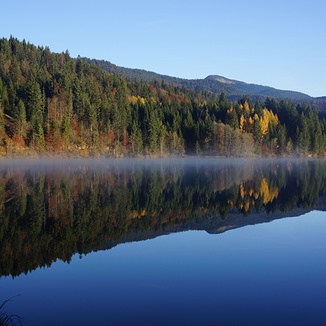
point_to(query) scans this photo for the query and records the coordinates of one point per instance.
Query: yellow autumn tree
(250, 125)
(242, 123)
(134, 99)
(267, 118)
(246, 108)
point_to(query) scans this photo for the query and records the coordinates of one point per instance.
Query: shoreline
(98, 155)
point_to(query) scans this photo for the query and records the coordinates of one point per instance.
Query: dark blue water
(270, 273)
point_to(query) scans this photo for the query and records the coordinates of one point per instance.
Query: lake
(163, 242)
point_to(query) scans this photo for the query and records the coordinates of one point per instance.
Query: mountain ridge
(255, 89)
(234, 89)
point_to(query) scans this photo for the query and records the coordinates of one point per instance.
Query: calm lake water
(164, 242)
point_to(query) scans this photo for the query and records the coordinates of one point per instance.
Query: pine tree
(154, 132)
(136, 139)
(35, 108)
(20, 119)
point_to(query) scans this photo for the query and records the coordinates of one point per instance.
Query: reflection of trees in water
(53, 213)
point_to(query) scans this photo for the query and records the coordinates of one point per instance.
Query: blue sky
(276, 43)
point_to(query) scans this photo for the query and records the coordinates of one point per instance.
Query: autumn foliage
(52, 104)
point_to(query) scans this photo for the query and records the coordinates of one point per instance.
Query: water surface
(156, 242)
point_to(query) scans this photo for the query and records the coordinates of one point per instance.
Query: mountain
(53, 104)
(265, 91)
(234, 89)
(149, 76)
(319, 103)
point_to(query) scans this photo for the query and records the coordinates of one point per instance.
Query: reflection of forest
(52, 212)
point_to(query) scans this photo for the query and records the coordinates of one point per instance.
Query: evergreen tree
(35, 107)
(136, 139)
(154, 132)
(19, 115)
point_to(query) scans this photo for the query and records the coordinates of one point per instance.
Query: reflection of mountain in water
(55, 210)
(212, 225)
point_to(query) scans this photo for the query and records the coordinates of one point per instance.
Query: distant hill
(318, 102)
(265, 91)
(214, 83)
(144, 75)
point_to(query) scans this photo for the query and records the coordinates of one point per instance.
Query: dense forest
(50, 211)
(52, 104)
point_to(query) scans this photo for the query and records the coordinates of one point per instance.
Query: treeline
(53, 104)
(50, 213)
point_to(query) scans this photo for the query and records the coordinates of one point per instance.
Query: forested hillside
(207, 84)
(52, 104)
(234, 89)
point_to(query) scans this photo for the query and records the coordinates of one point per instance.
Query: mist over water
(54, 212)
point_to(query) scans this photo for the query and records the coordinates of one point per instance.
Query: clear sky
(278, 43)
